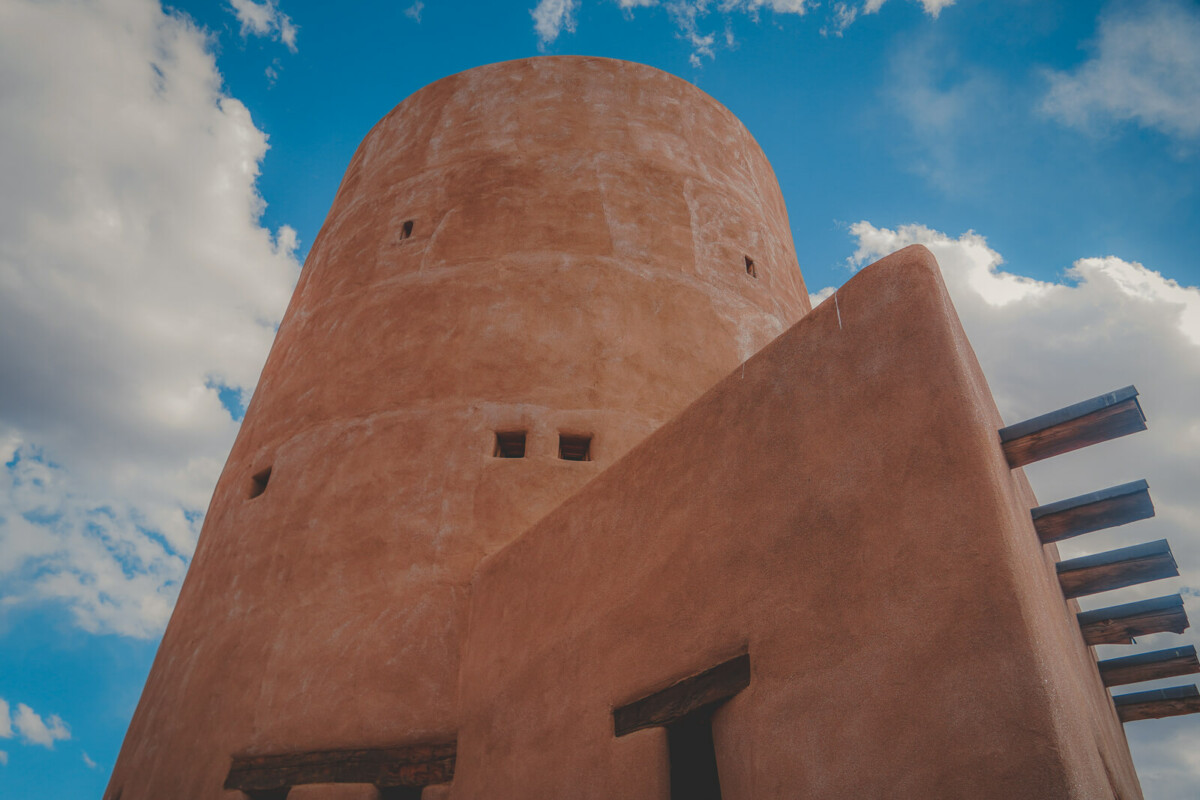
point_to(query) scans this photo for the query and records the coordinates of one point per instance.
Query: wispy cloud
(1144, 68)
(949, 109)
(552, 17)
(265, 19)
(687, 15)
(413, 12)
(702, 23)
(843, 14)
(136, 284)
(88, 761)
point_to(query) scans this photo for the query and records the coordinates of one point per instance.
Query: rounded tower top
(580, 174)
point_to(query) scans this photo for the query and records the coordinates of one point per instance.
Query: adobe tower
(555, 487)
(553, 247)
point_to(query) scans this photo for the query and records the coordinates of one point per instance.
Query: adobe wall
(575, 263)
(841, 509)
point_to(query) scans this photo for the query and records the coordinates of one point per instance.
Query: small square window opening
(406, 229)
(573, 447)
(258, 482)
(509, 444)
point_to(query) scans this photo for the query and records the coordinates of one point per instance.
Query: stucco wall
(842, 509)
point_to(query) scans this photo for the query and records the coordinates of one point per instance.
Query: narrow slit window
(573, 447)
(258, 482)
(750, 270)
(693, 758)
(406, 229)
(510, 444)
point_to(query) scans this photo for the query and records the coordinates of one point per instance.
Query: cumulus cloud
(1144, 68)
(136, 285)
(35, 730)
(30, 726)
(265, 19)
(551, 17)
(1108, 323)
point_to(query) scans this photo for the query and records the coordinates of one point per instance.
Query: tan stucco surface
(576, 264)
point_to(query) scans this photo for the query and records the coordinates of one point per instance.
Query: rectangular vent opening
(406, 229)
(750, 270)
(258, 482)
(509, 444)
(572, 447)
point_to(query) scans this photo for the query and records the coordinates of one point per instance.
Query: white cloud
(265, 19)
(686, 16)
(974, 263)
(943, 104)
(843, 14)
(6, 731)
(1044, 345)
(35, 730)
(135, 280)
(413, 12)
(87, 760)
(932, 7)
(3, 758)
(550, 17)
(778, 6)
(1145, 68)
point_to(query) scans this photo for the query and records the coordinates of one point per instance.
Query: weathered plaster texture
(575, 264)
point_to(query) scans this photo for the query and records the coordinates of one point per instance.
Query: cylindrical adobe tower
(564, 250)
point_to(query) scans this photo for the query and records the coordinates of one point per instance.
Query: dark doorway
(693, 758)
(399, 793)
(269, 794)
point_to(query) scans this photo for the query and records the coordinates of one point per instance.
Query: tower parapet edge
(561, 251)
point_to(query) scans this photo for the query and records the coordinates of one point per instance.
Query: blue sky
(163, 172)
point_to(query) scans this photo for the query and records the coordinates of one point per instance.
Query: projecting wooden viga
(1090, 422)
